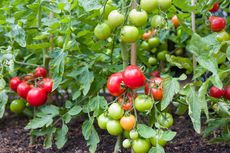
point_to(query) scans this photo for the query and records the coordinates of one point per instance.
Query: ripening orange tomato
(128, 122)
(175, 21)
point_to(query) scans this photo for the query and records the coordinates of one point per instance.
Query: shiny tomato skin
(14, 82)
(215, 7)
(165, 120)
(47, 84)
(113, 127)
(102, 121)
(157, 89)
(128, 122)
(133, 77)
(17, 106)
(227, 92)
(216, 92)
(155, 73)
(143, 103)
(40, 72)
(36, 97)
(23, 89)
(114, 84)
(141, 145)
(175, 21)
(115, 111)
(217, 23)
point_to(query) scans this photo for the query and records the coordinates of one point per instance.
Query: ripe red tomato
(175, 21)
(217, 23)
(14, 82)
(155, 73)
(128, 122)
(216, 92)
(147, 35)
(133, 77)
(227, 92)
(156, 88)
(114, 84)
(40, 72)
(36, 97)
(46, 84)
(215, 7)
(23, 89)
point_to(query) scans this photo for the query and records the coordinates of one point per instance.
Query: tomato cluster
(218, 93)
(32, 87)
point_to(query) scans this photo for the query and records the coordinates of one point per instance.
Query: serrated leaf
(75, 110)
(145, 131)
(168, 135)
(39, 122)
(89, 5)
(19, 35)
(96, 104)
(171, 87)
(48, 138)
(180, 62)
(61, 136)
(197, 46)
(3, 102)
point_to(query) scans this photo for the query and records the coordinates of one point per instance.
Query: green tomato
(141, 146)
(133, 134)
(143, 103)
(129, 34)
(157, 21)
(145, 45)
(165, 120)
(158, 139)
(17, 106)
(138, 18)
(108, 8)
(164, 4)
(154, 42)
(102, 31)
(149, 5)
(115, 19)
(161, 55)
(115, 111)
(179, 51)
(222, 36)
(154, 50)
(152, 61)
(113, 127)
(126, 143)
(102, 121)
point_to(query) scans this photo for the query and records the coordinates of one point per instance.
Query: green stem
(118, 145)
(22, 63)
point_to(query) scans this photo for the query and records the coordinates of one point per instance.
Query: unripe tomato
(17, 106)
(216, 92)
(128, 122)
(227, 92)
(113, 127)
(154, 42)
(215, 7)
(14, 82)
(147, 35)
(102, 121)
(157, 21)
(149, 5)
(129, 34)
(138, 18)
(133, 77)
(40, 72)
(162, 55)
(23, 89)
(164, 4)
(115, 111)
(108, 9)
(133, 134)
(36, 97)
(126, 143)
(114, 84)
(102, 31)
(143, 103)
(115, 19)
(46, 84)
(222, 36)
(175, 21)
(165, 120)
(145, 45)
(155, 88)
(141, 146)
(217, 23)
(152, 61)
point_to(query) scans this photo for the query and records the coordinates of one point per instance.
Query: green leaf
(202, 96)
(19, 35)
(61, 136)
(228, 53)
(75, 110)
(3, 102)
(168, 135)
(2, 83)
(49, 137)
(199, 71)
(157, 149)
(76, 95)
(96, 104)
(215, 124)
(38, 46)
(89, 5)
(171, 87)
(145, 131)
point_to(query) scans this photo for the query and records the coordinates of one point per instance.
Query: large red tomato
(36, 97)
(40, 72)
(133, 77)
(14, 82)
(114, 84)
(217, 23)
(47, 84)
(156, 88)
(23, 89)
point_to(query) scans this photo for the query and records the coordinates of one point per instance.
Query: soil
(15, 139)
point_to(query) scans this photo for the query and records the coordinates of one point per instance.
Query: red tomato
(23, 89)
(215, 7)
(36, 97)
(155, 73)
(14, 82)
(127, 104)
(133, 77)
(175, 21)
(46, 84)
(216, 92)
(114, 84)
(40, 72)
(128, 122)
(217, 23)
(227, 92)
(156, 88)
